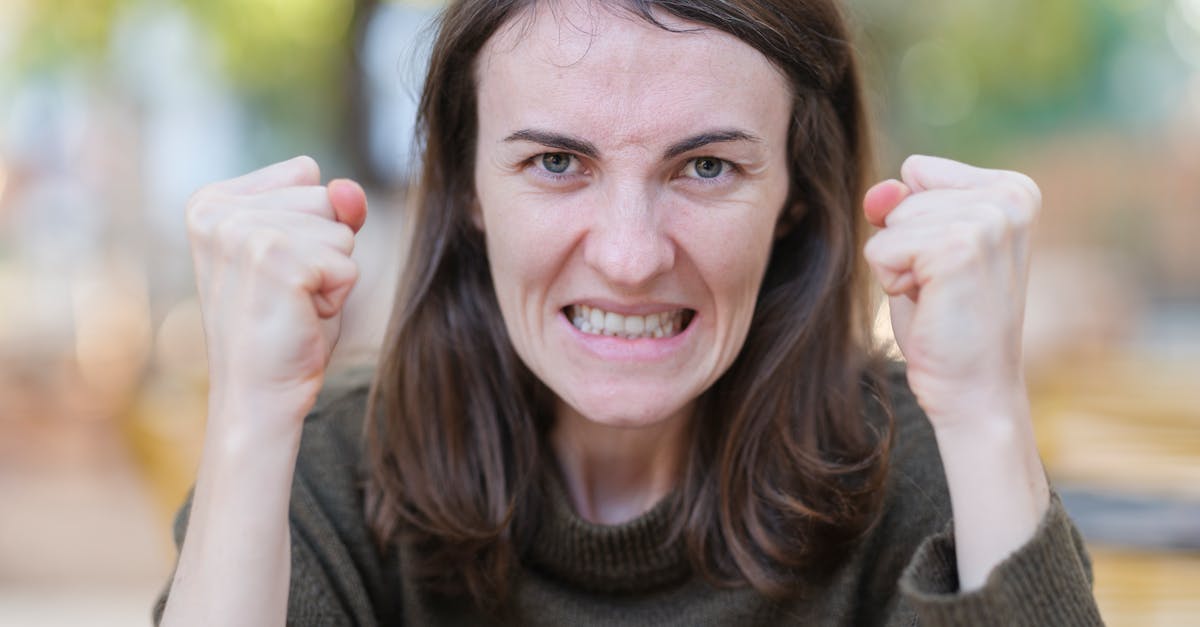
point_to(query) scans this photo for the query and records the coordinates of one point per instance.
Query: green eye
(708, 167)
(556, 162)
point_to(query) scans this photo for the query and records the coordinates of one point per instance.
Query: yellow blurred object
(1139, 589)
(1128, 425)
(165, 430)
(1121, 423)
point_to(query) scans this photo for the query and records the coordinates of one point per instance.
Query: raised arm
(271, 251)
(953, 256)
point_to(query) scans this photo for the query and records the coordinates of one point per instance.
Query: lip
(619, 349)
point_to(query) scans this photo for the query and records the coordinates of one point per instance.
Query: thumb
(349, 202)
(882, 198)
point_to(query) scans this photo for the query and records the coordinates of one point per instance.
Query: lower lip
(612, 348)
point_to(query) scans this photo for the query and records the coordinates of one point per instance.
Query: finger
(922, 173)
(309, 199)
(309, 230)
(337, 277)
(904, 284)
(939, 206)
(241, 224)
(302, 170)
(349, 202)
(882, 198)
(893, 255)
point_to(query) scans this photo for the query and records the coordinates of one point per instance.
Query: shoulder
(333, 429)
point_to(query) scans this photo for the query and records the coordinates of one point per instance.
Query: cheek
(526, 250)
(730, 248)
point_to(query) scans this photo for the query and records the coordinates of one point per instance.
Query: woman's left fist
(952, 253)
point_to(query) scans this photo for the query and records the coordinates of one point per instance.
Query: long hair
(783, 470)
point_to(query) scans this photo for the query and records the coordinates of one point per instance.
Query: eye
(556, 162)
(704, 168)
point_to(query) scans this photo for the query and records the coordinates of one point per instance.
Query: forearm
(998, 488)
(234, 566)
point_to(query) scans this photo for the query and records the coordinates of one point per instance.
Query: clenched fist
(953, 255)
(271, 251)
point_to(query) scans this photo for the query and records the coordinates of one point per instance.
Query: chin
(628, 409)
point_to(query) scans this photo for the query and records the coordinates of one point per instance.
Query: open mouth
(595, 321)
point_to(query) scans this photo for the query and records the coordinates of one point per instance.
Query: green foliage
(965, 76)
(287, 58)
(60, 32)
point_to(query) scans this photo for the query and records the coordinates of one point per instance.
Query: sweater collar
(633, 556)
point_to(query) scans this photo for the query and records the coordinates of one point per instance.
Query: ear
(475, 213)
(788, 219)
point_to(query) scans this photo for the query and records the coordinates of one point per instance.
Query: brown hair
(783, 470)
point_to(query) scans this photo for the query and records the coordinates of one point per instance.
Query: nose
(626, 243)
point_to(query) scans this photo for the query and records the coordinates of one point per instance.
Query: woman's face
(629, 180)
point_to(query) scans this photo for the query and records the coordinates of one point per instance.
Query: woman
(628, 378)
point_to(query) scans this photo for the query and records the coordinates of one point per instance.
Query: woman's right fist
(271, 251)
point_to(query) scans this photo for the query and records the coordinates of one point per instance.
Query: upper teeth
(599, 322)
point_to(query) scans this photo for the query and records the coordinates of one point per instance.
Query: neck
(615, 474)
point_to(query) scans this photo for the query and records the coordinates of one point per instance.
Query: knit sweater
(903, 572)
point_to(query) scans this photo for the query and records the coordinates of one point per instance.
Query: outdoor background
(113, 111)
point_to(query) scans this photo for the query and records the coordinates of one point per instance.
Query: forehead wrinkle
(629, 78)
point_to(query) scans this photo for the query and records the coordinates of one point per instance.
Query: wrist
(994, 455)
(257, 411)
(966, 407)
(250, 448)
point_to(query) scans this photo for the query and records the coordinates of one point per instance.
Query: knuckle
(230, 229)
(873, 249)
(996, 222)
(967, 240)
(1020, 191)
(344, 238)
(308, 167)
(262, 246)
(912, 163)
(201, 212)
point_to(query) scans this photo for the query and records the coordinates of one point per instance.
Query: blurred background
(113, 111)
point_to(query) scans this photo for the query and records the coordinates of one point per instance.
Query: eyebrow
(704, 139)
(588, 149)
(555, 140)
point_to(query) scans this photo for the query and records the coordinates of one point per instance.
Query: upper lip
(629, 309)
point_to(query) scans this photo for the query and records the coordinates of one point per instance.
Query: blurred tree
(291, 62)
(956, 76)
(967, 76)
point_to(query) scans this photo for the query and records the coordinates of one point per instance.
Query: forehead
(594, 66)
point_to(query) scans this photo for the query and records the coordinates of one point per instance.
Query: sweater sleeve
(1048, 581)
(334, 570)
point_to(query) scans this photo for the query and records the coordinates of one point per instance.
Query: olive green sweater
(902, 573)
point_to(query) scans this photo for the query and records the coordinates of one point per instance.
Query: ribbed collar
(631, 556)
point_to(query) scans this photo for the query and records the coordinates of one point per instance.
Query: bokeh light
(113, 111)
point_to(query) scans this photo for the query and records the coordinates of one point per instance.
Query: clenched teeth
(599, 322)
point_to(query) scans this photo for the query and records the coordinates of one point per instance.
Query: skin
(952, 253)
(272, 250)
(629, 225)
